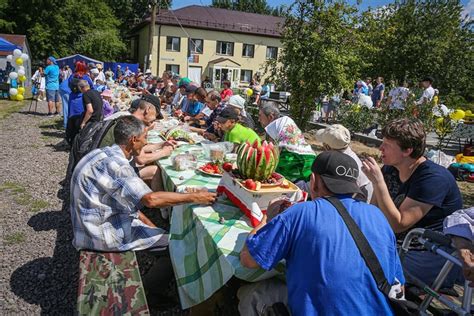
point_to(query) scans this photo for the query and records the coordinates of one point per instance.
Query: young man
(51, 73)
(93, 103)
(413, 191)
(235, 132)
(325, 272)
(378, 92)
(428, 93)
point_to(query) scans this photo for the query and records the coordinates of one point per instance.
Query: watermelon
(257, 162)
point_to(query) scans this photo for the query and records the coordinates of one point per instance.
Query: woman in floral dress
(296, 156)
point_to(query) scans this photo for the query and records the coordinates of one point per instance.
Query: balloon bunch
(18, 75)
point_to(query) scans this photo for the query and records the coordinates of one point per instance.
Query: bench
(110, 284)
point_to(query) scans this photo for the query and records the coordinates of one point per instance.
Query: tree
(319, 54)
(414, 38)
(65, 27)
(251, 6)
(5, 24)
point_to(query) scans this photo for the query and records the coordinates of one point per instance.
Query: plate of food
(211, 169)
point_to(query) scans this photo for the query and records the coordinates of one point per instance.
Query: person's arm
(146, 158)
(411, 211)
(87, 114)
(465, 250)
(164, 199)
(246, 258)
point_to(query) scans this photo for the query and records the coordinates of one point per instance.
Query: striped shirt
(105, 199)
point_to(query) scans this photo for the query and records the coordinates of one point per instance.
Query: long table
(205, 241)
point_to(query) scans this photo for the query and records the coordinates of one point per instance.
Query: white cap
(95, 71)
(148, 71)
(236, 101)
(335, 136)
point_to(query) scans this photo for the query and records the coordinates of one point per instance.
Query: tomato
(227, 166)
(250, 184)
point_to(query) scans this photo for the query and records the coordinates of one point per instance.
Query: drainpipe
(158, 52)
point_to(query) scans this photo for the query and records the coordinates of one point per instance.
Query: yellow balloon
(21, 90)
(457, 115)
(19, 97)
(19, 61)
(468, 113)
(357, 108)
(249, 92)
(22, 78)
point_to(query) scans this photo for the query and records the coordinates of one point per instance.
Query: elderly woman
(296, 156)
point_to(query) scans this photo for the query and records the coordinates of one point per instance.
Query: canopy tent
(113, 66)
(71, 60)
(6, 46)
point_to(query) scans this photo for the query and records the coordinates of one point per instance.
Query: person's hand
(205, 198)
(171, 143)
(467, 259)
(150, 127)
(82, 126)
(277, 206)
(187, 118)
(166, 151)
(372, 170)
(209, 136)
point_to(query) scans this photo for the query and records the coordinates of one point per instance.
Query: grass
(53, 123)
(467, 191)
(15, 238)
(21, 197)
(8, 107)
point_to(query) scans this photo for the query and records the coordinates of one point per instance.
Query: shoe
(50, 114)
(56, 114)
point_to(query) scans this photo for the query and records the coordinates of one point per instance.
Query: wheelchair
(436, 242)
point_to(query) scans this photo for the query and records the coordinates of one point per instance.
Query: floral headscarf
(287, 134)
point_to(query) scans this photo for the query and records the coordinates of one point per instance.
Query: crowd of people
(325, 271)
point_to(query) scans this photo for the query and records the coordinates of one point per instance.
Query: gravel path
(38, 263)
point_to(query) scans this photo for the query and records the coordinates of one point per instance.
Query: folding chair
(433, 241)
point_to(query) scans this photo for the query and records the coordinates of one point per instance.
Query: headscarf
(287, 134)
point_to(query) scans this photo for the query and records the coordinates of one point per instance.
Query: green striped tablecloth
(205, 252)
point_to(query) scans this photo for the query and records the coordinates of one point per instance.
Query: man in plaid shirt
(107, 194)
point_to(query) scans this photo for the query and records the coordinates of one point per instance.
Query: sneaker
(56, 114)
(50, 114)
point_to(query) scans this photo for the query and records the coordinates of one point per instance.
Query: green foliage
(252, 6)
(5, 23)
(319, 55)
(61, 28)
(355, 117)
(412, 39)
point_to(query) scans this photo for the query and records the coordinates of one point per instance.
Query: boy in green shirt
(235, 132)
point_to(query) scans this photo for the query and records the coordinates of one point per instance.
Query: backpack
(88, 139)
(74, 85)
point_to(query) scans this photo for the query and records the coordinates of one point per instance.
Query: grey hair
(82, 84)
(127, 127)
(270, 108)
(214, 95)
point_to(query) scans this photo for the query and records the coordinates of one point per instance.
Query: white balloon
(9, 58)
(13, 75)
(21, 68)
(17, 53)
(25, 57)
(13, 91)
(21, 72)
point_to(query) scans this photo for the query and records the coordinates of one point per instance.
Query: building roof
(203, 17)
(18, 40)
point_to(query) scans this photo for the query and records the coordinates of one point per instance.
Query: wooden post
(151, 33)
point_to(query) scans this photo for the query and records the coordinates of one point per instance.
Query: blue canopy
(71, 60)
(6, 46)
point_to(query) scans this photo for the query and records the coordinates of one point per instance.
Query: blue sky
(468, 4)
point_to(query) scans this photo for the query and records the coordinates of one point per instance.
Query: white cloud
(469, 9)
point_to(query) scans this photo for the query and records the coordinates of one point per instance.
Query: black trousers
(73, 128)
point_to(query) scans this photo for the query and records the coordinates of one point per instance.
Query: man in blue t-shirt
(51, 73)
(325, 272)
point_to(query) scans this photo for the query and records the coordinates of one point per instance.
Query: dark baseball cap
(156, 102)
(227, 113)
(191, 88)
(338, 171)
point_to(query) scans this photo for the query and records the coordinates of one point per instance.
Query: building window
(245, 75)
(196, 46)
(272, 52)
(173, 44)
(172, 68)
(248, 50)
(225, 48)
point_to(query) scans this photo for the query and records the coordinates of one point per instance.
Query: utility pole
(151, 32)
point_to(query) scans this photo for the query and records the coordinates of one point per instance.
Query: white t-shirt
(428, 94)
(362, 180)
(398, 97)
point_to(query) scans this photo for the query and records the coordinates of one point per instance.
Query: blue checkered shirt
(105, 199)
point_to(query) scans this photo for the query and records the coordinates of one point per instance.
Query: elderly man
(296, 156)
(92, 102)
(107, 194)
(325, 272)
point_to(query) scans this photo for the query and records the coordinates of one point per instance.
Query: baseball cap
(95, 71)
(335, 136)
(338, 171)
(53, 60)
(156, 102)
(183, 82)
(227, 114)
(236, 101)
